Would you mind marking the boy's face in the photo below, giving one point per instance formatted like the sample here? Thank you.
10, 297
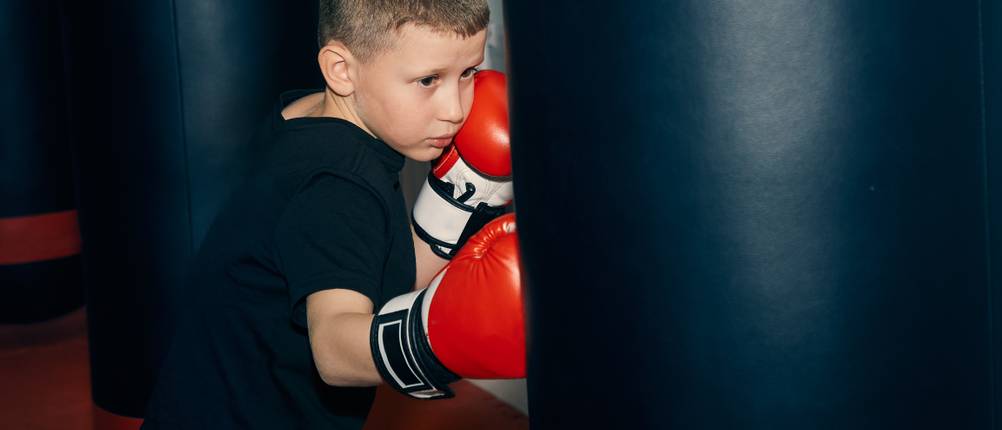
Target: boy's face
416, 95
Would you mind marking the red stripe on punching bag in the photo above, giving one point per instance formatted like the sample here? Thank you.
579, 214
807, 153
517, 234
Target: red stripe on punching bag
32, 238
105, 420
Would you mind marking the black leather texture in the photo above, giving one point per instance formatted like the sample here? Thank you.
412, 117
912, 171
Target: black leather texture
167, 96
786, 220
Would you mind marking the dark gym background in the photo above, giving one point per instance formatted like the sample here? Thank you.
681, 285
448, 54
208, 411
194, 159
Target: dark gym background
138, 115
733, 213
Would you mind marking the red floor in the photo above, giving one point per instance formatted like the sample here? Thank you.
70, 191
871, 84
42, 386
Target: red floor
45, 375
45, 382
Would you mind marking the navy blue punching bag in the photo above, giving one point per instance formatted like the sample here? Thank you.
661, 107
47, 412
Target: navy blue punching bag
991, 28
39, 238
178, 89
756, 214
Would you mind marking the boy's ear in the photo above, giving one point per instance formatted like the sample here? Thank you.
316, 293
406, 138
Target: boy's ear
335, 61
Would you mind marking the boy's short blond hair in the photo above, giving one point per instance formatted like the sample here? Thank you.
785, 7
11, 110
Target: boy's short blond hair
367, 27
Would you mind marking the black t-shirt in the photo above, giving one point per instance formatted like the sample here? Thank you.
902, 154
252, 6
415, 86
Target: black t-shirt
321, 209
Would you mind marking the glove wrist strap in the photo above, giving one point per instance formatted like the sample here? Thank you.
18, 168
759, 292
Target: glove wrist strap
445, 223
402, 353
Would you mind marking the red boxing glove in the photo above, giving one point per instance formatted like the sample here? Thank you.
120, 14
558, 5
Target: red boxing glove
470, 184
467, 323
475, 322
484, 140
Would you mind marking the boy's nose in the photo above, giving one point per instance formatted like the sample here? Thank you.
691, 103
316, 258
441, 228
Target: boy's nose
452, 109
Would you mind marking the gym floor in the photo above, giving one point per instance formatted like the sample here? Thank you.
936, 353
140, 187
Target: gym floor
44, 371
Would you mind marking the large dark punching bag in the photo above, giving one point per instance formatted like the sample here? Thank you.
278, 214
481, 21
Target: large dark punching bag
753, 214
39, 238
991, 27
185, 83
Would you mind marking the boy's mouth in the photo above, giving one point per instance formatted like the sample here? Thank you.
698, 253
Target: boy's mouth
441, 141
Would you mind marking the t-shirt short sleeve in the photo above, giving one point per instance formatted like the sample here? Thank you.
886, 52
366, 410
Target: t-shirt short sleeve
331, 235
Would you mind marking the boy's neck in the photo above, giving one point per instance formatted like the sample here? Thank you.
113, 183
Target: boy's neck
325, 104
333, 105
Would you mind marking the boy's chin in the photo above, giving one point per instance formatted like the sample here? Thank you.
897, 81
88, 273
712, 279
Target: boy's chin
425, 154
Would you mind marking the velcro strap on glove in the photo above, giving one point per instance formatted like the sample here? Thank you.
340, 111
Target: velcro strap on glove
402, 353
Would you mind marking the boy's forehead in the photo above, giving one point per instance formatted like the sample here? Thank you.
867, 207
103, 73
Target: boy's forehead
422, 47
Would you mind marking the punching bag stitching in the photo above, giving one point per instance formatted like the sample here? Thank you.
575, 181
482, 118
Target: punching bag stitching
992, 370
183, 125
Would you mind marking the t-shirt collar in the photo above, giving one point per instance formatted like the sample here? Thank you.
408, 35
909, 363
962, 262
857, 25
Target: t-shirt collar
393, 160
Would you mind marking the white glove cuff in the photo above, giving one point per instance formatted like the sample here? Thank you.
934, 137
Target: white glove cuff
440, 218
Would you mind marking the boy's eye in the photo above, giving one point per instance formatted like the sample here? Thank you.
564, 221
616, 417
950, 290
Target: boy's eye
469, 72
427, 81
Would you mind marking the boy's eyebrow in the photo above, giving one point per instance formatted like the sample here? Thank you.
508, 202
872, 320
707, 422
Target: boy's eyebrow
440, 70
435, 71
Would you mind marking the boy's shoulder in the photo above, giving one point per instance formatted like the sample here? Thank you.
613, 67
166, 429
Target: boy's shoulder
302, 105
297, 146
295, 135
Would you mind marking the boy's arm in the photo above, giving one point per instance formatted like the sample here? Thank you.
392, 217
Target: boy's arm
339, 322
422, 364
428, 264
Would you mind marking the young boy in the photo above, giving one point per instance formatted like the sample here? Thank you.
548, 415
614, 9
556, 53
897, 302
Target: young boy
280, 332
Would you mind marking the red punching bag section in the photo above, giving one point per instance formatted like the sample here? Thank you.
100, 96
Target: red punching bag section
43, 351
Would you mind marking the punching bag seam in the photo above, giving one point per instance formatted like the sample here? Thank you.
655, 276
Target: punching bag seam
992, 367
183, 124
